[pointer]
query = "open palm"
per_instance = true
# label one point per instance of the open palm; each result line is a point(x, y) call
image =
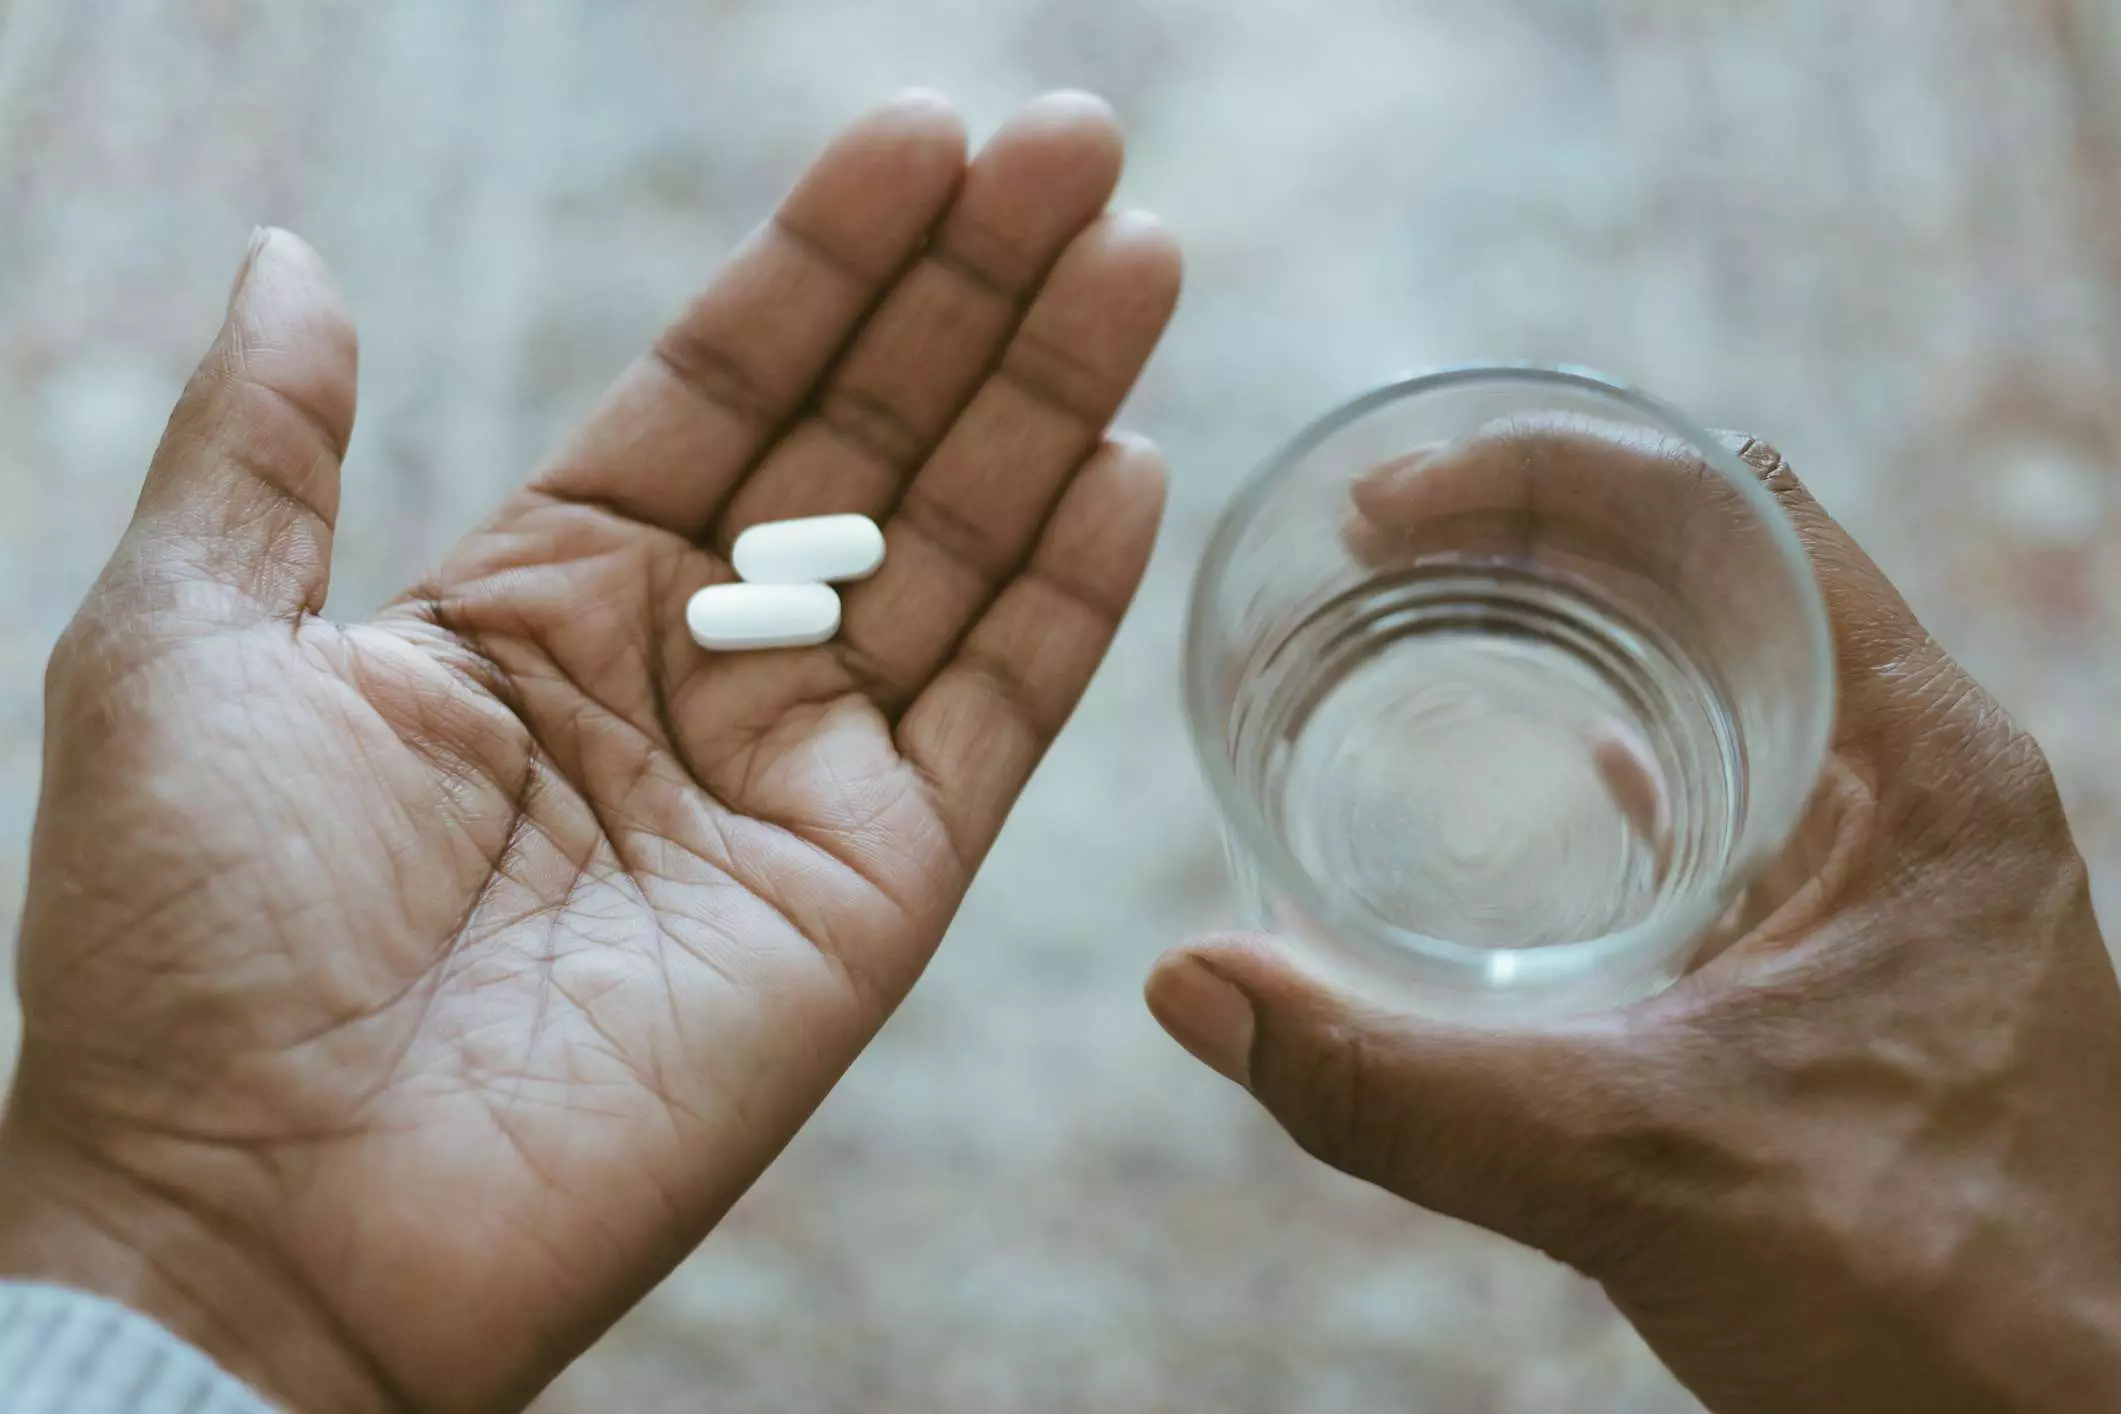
point(438, 982)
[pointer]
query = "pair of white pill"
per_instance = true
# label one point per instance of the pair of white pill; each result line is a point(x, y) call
point(788, 568)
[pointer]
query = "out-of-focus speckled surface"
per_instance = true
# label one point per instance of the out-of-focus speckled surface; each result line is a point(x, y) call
point(1888, 236)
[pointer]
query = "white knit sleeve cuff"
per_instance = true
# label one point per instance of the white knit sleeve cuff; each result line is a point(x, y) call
point(67, 1352)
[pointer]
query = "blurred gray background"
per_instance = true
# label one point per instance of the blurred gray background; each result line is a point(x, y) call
point(1888, 236)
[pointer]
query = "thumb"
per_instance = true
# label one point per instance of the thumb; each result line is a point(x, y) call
point(1523, 1132)
point(235, 519)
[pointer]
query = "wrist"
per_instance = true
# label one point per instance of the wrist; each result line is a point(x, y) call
point(2036, 1303)
point(71, 1220)
point(2046, 1339)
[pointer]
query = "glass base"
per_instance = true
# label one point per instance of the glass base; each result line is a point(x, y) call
point(1489, 765)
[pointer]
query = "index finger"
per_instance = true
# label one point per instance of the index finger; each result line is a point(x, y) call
point(1633, 500)
point(677, 432)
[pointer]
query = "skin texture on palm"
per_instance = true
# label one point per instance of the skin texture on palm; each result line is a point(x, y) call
point(402, 1000)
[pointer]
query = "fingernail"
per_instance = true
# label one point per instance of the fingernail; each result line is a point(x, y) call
point(1075, 102)
point(1134, 221)
point(1208, 1016)
point(260, 237)
point(920, 95)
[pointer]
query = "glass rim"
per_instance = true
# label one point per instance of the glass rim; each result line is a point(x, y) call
point(1286, 874)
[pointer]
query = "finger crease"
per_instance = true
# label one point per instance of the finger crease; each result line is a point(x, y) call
point(717, 378)
point(1049, 372)
point(266, 476)
point(979, 275)
point(328, 430)
point(960, 540)
point(868, 676)
point(872, 427)
point(1080, 593)
point(820, 253)
point(1008, 688)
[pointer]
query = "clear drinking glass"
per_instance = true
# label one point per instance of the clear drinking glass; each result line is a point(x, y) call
point(1507, 681)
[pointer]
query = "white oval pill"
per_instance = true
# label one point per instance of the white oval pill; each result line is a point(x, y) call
point(732, 617)
point(812, 550)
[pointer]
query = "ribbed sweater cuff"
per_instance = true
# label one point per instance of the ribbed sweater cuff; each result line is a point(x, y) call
point(67, 1352)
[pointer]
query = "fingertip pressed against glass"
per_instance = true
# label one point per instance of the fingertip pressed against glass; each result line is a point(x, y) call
point(1507, 681)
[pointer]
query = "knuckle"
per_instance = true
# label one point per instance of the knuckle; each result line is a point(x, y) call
point(99, 680)
point(81, 656)
point(1336, 1097)
point(1351, 1099)
point(1622, 1163)
point(1983, 777)
point(73, 675)
point(2021, 780)
point(2028, 800)
point(64, 662)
